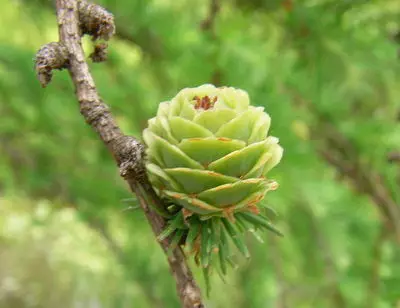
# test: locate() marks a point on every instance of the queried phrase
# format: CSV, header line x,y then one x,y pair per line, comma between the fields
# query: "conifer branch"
x,y
341,154
337,150
76,18
208,23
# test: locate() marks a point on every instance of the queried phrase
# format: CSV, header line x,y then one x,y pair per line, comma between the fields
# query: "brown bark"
x,y
76,18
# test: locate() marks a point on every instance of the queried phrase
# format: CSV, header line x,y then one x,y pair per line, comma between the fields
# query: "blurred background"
x,y
328,73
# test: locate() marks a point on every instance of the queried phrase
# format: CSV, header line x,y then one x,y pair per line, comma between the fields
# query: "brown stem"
x,y
127,151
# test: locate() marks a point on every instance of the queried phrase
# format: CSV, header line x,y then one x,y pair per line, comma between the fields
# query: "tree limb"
x,y
364,179
75,18
337,150
143,37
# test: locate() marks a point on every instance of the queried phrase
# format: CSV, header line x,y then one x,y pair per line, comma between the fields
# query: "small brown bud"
x,y
96,21
49,57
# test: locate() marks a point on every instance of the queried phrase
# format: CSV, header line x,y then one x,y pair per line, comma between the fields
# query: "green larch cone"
x,y
208,156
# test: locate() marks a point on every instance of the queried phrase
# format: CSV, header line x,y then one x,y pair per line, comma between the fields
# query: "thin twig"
x,y
337,150
374,281
208,23
142,36
74,20
208,27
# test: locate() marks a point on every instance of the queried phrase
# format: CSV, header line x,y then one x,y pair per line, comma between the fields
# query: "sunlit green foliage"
x,y
317,66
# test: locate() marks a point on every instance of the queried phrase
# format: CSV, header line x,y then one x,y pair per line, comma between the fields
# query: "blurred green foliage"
x,y
327,71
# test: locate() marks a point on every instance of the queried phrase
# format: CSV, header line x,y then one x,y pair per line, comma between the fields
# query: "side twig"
x,y
76,18
375,283
208,26
338,151
208,23
344,158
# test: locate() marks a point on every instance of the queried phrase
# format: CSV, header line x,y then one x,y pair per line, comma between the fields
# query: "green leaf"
x,y
260,221
166,130
163,109
213,119
236,238
160,127
133,200
207,150
176,105
222,258
191,203
277,152
241,127
194,231
187,111
260,129
256,236
224,251
174,224
206,274
241,224
162,177
232,263
234,98
215,228
269,212
184,129
231,194
166,154
131,208
175,240
258,168
194,181
240,162
204,244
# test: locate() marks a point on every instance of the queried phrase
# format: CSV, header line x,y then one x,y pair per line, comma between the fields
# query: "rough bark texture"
x,y
76,18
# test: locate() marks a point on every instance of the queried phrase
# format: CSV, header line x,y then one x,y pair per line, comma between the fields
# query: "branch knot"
x,y
99,53
95,21
51,56
130,157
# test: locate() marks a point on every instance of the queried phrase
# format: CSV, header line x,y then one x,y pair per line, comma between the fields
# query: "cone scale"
x,y
208,155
